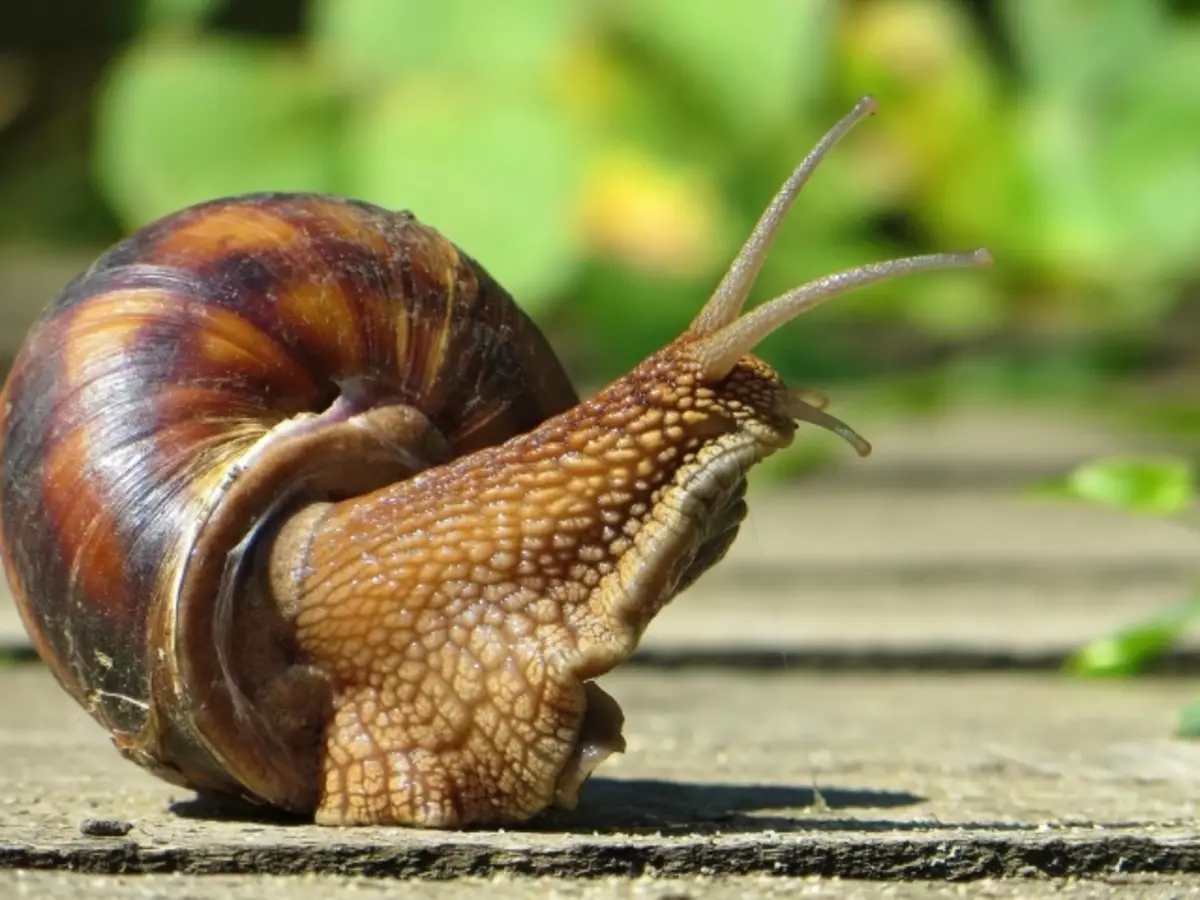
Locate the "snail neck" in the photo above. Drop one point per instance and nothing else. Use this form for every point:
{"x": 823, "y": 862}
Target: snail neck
{"x": 581, "y": 529}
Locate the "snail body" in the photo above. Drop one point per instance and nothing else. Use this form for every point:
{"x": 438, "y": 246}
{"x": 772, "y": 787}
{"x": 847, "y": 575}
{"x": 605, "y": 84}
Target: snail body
{"x": 301, "y": 507}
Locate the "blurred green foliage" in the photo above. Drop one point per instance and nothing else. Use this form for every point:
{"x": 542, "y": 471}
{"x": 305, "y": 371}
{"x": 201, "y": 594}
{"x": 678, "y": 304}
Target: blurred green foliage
{"x": 604, "y": 159}
{"x": 1144, "y": 486}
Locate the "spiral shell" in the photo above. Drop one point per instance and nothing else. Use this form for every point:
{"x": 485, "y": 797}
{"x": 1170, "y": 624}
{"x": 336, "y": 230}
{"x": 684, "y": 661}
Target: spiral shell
{"x": 181, "y": 391}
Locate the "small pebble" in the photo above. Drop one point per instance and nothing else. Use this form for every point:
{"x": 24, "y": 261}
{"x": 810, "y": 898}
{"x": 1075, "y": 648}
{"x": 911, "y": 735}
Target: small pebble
{"x": 105, "y": 827}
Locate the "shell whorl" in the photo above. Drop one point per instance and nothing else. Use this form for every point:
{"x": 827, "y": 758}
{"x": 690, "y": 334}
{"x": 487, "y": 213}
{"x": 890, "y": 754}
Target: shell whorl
{"x": 180, "y": 352}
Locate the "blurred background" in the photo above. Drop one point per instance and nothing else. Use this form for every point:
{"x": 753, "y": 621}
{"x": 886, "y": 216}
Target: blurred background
{"x": 604, "y": 159}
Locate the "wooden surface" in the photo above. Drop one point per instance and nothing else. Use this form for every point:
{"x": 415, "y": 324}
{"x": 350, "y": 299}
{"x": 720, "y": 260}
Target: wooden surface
{"x": 747, "y": 758}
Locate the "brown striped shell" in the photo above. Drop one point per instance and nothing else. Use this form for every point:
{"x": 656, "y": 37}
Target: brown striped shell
{"x": 200, "y": 375}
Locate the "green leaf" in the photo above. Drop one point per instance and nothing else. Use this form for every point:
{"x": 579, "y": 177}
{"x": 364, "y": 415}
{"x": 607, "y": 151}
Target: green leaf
{"x": 499, "y": 175}
{"x": 1129, "y": 650}
{"x": 757, "y": 62}
{"x": 1096, "y": 210}
{"x": 1123, "y": 654}
{"x": 1080, "y": 46}
{"x": 1189, "y": 721}
{"x": 1151, "y": 166}
{"x": 184, "y": 122}
{"x": 369, "y": 39}
{"x": 1156, "y": 486}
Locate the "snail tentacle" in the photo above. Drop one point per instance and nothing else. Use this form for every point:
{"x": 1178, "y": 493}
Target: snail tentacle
{"x": 730, "y": 296}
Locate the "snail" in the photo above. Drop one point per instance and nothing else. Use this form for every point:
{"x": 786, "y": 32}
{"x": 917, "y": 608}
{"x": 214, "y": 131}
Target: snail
{"x": 301, "y": 507}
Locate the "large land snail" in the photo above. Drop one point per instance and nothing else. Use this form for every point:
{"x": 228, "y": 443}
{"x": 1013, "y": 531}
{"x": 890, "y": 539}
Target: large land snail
{"x": 301, "y": 507}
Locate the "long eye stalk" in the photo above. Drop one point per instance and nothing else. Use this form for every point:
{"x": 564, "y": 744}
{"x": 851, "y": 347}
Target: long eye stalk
{"x": 720, "y": 351}
{"x": 730, "y": 296}
{"x": 721, "y": 338}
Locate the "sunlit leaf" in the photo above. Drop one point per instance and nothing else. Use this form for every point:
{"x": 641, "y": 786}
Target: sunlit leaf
{"x": 646, "y": 214}
{"x": 1080, "y": 46}
{"x": 500, "y": 176}
{"x": 1129, "y": 651}
{"x": 924, "y": 60}
{"x": 518, "y": 39}
{"x": 1162, "y": 486}
{"x": 181, "y": 123}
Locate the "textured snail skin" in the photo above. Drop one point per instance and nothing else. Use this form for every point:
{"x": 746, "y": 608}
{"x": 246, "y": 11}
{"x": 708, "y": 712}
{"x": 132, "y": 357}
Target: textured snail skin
{"x": 460, "y": 644}
{"x": 300, "y": 506}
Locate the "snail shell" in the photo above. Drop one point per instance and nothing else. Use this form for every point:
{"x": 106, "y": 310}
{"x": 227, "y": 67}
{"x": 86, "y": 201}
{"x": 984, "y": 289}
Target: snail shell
{"x": 201, "y": 375}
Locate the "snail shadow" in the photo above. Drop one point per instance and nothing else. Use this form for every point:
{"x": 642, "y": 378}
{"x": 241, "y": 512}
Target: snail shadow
{"x": 219, "y": 808}
{"x": 654, "y": 805}
{"x": 609, "y": 805}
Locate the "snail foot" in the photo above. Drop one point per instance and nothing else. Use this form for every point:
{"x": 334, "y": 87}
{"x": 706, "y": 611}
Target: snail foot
{"x": 433, "y": 754}
{"x": 599, "y": 738}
